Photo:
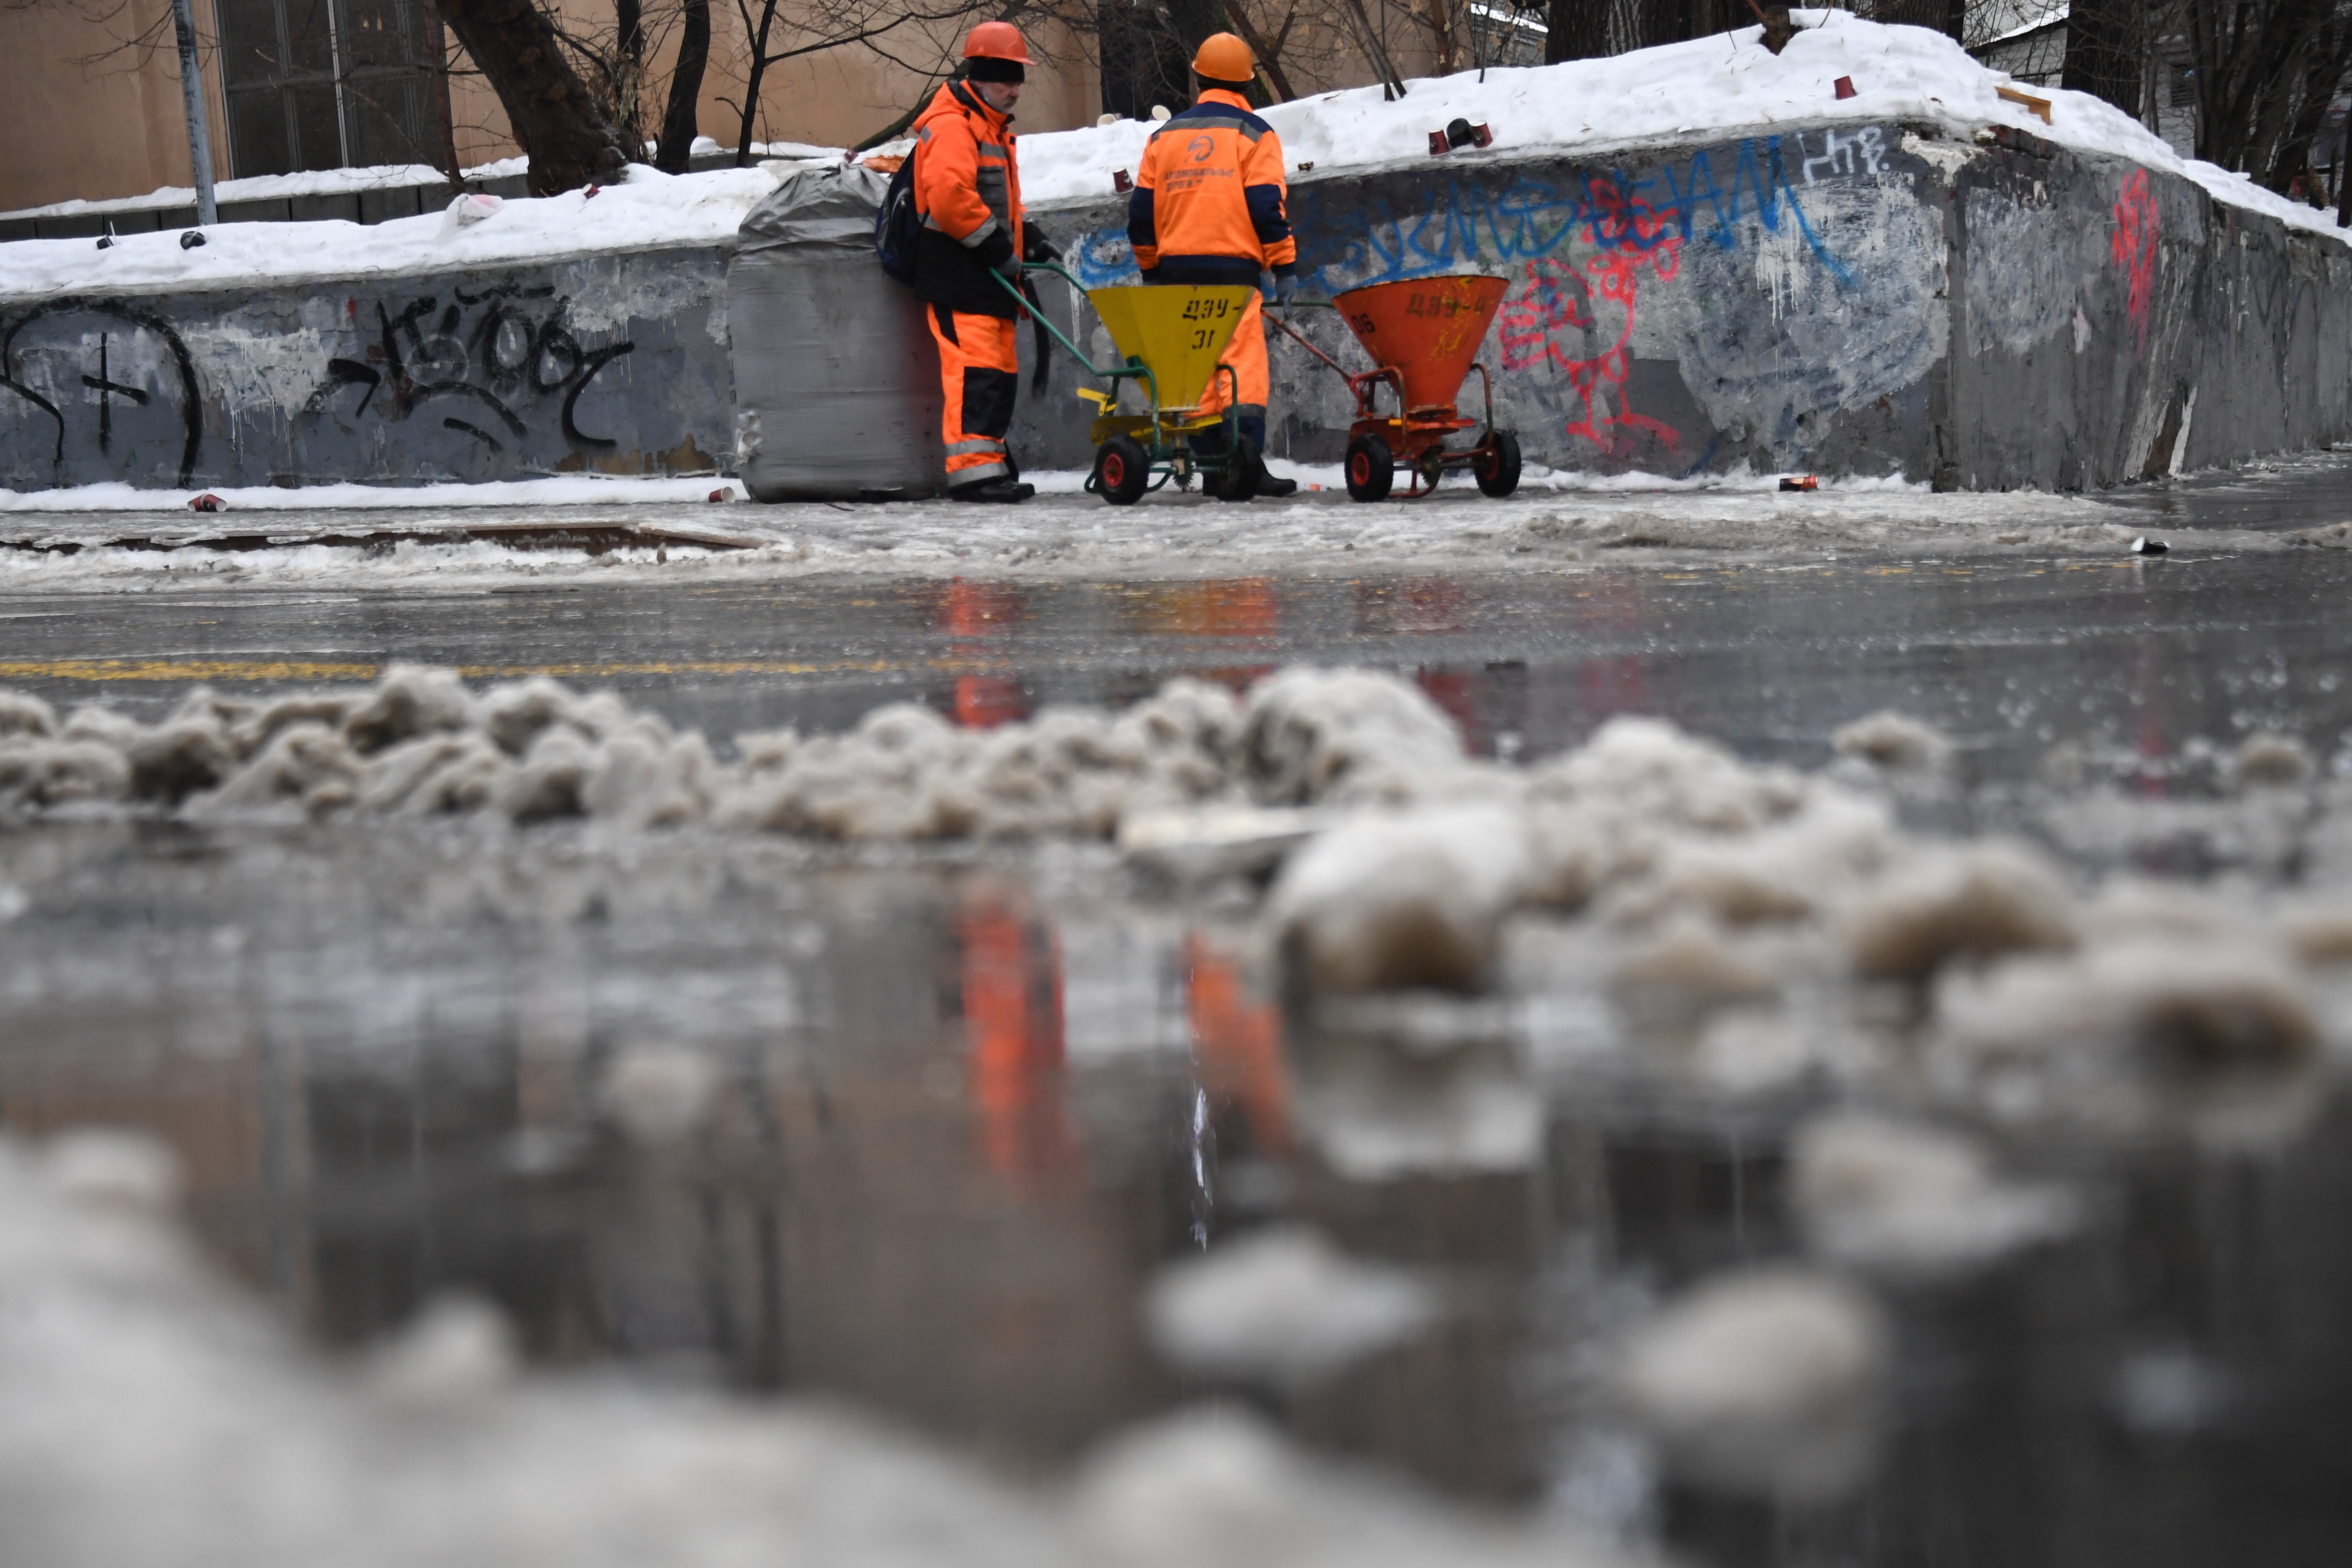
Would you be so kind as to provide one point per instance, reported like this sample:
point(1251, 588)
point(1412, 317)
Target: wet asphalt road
point(962, 1111)
point(2008, 656)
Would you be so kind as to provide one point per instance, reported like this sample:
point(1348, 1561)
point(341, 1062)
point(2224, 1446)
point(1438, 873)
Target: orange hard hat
point(1224, 58)
point(997, 41)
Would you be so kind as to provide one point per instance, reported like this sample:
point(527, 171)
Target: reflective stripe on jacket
point(1209, 199)
point(968, 190)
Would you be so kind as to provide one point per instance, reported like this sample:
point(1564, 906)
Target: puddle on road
point(924, 1131)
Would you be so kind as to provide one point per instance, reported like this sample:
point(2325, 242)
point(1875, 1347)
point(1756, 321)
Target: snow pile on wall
point(1702, 89)
point(1673, 92)
point(646, 210)
point(257, 188)
point(156, 1417)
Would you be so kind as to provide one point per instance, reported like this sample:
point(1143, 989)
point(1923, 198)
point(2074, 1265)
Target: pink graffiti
point(2139, 228)
point(1633, 239)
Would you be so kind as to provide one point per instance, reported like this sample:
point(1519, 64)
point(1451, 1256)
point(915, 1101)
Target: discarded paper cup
point(1792, 482)
point(1844, 86)
point(208, 502)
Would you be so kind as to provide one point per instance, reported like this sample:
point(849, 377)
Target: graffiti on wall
point(2138, 232)
point(1555, 296)
point(1591, 256)
point(122, 372)
point(1707, 197)
point(477, 358)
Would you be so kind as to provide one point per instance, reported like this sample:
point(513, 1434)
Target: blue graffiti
point(1347, 247)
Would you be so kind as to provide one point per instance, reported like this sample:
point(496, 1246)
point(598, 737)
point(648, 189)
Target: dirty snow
point(1707, 922)
point(565, 489)
point(1769, 1382)
point(1914, 1202)
point(1282, 1306)
point(156, 1417)
point(1075, 536)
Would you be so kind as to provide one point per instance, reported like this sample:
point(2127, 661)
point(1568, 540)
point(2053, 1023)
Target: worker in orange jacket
point(968, 190)
point(1210, 206)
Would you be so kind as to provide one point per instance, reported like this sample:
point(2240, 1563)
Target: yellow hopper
point(1168, 337)
point(1176, 330)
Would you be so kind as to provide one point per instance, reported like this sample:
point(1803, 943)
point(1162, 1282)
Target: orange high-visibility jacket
point(968, 190)
point(1210, 203)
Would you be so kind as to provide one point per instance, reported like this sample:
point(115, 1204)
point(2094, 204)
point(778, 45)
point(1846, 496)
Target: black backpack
point(897, 226)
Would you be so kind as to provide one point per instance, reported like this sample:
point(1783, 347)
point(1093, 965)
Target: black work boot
point(1267, 485)
point(1002, 490)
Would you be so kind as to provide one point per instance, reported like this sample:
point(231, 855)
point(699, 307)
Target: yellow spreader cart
point(1170, 336)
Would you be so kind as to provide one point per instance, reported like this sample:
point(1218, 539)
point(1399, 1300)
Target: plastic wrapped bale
point(836, 383)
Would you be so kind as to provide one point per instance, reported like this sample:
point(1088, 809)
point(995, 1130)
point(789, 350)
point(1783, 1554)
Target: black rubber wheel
point(1372, 469)
point(1498, 467)
point(1122, 470)
point(1244, 470)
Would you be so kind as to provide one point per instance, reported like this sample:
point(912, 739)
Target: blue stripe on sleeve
point(1265, 214)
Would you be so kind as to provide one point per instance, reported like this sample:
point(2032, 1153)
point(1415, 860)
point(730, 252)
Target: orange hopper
point(1427, 329)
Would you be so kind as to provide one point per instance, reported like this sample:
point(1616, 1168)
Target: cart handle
point(1131, 368)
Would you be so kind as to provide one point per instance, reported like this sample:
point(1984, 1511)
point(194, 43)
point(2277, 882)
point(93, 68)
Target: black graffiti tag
point(433, 351)
point(191, 407)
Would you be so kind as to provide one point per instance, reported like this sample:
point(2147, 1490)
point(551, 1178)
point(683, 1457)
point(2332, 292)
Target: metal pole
point(192, 91)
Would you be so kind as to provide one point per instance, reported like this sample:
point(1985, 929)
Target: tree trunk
point(757, 69)
point(2103, 51)
point(679, 125)
point(1578, 30)
point(554, 116)
point(1269, 54)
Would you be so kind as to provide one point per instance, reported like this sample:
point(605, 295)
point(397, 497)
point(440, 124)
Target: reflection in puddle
point(925, 1132)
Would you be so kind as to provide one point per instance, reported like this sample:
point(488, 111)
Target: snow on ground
point(1707, 87)
point(567, 489)
point(1066, 534)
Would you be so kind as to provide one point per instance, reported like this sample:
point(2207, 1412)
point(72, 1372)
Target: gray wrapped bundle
point(836, 381)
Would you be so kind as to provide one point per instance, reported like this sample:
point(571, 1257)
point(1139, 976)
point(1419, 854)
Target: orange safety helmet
point(997, 41)
point(1224, 58)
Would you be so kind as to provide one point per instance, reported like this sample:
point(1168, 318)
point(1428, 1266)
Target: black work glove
point(995, 252)
point(1035, 246)
point(1286, 287)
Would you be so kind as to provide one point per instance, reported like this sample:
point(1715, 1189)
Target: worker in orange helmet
point(1211, 207)
point(967, 190)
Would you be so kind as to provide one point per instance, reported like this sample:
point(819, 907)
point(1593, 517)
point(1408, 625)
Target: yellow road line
point(262, 670)
point(183, 669)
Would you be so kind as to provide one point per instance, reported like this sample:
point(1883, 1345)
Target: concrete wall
point(1864, 301)
point(1867, 299)
point(614, 364)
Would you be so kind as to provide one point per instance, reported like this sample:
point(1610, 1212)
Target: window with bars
point(327, 84)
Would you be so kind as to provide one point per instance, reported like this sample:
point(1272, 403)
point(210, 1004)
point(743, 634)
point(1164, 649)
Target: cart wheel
point(1371, 471)
point(1497, 467)
point(1244, 470)
point(1122, 470)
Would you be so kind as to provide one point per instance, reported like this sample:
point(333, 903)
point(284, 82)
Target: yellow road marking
point(183, 669)
point(312, 669)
